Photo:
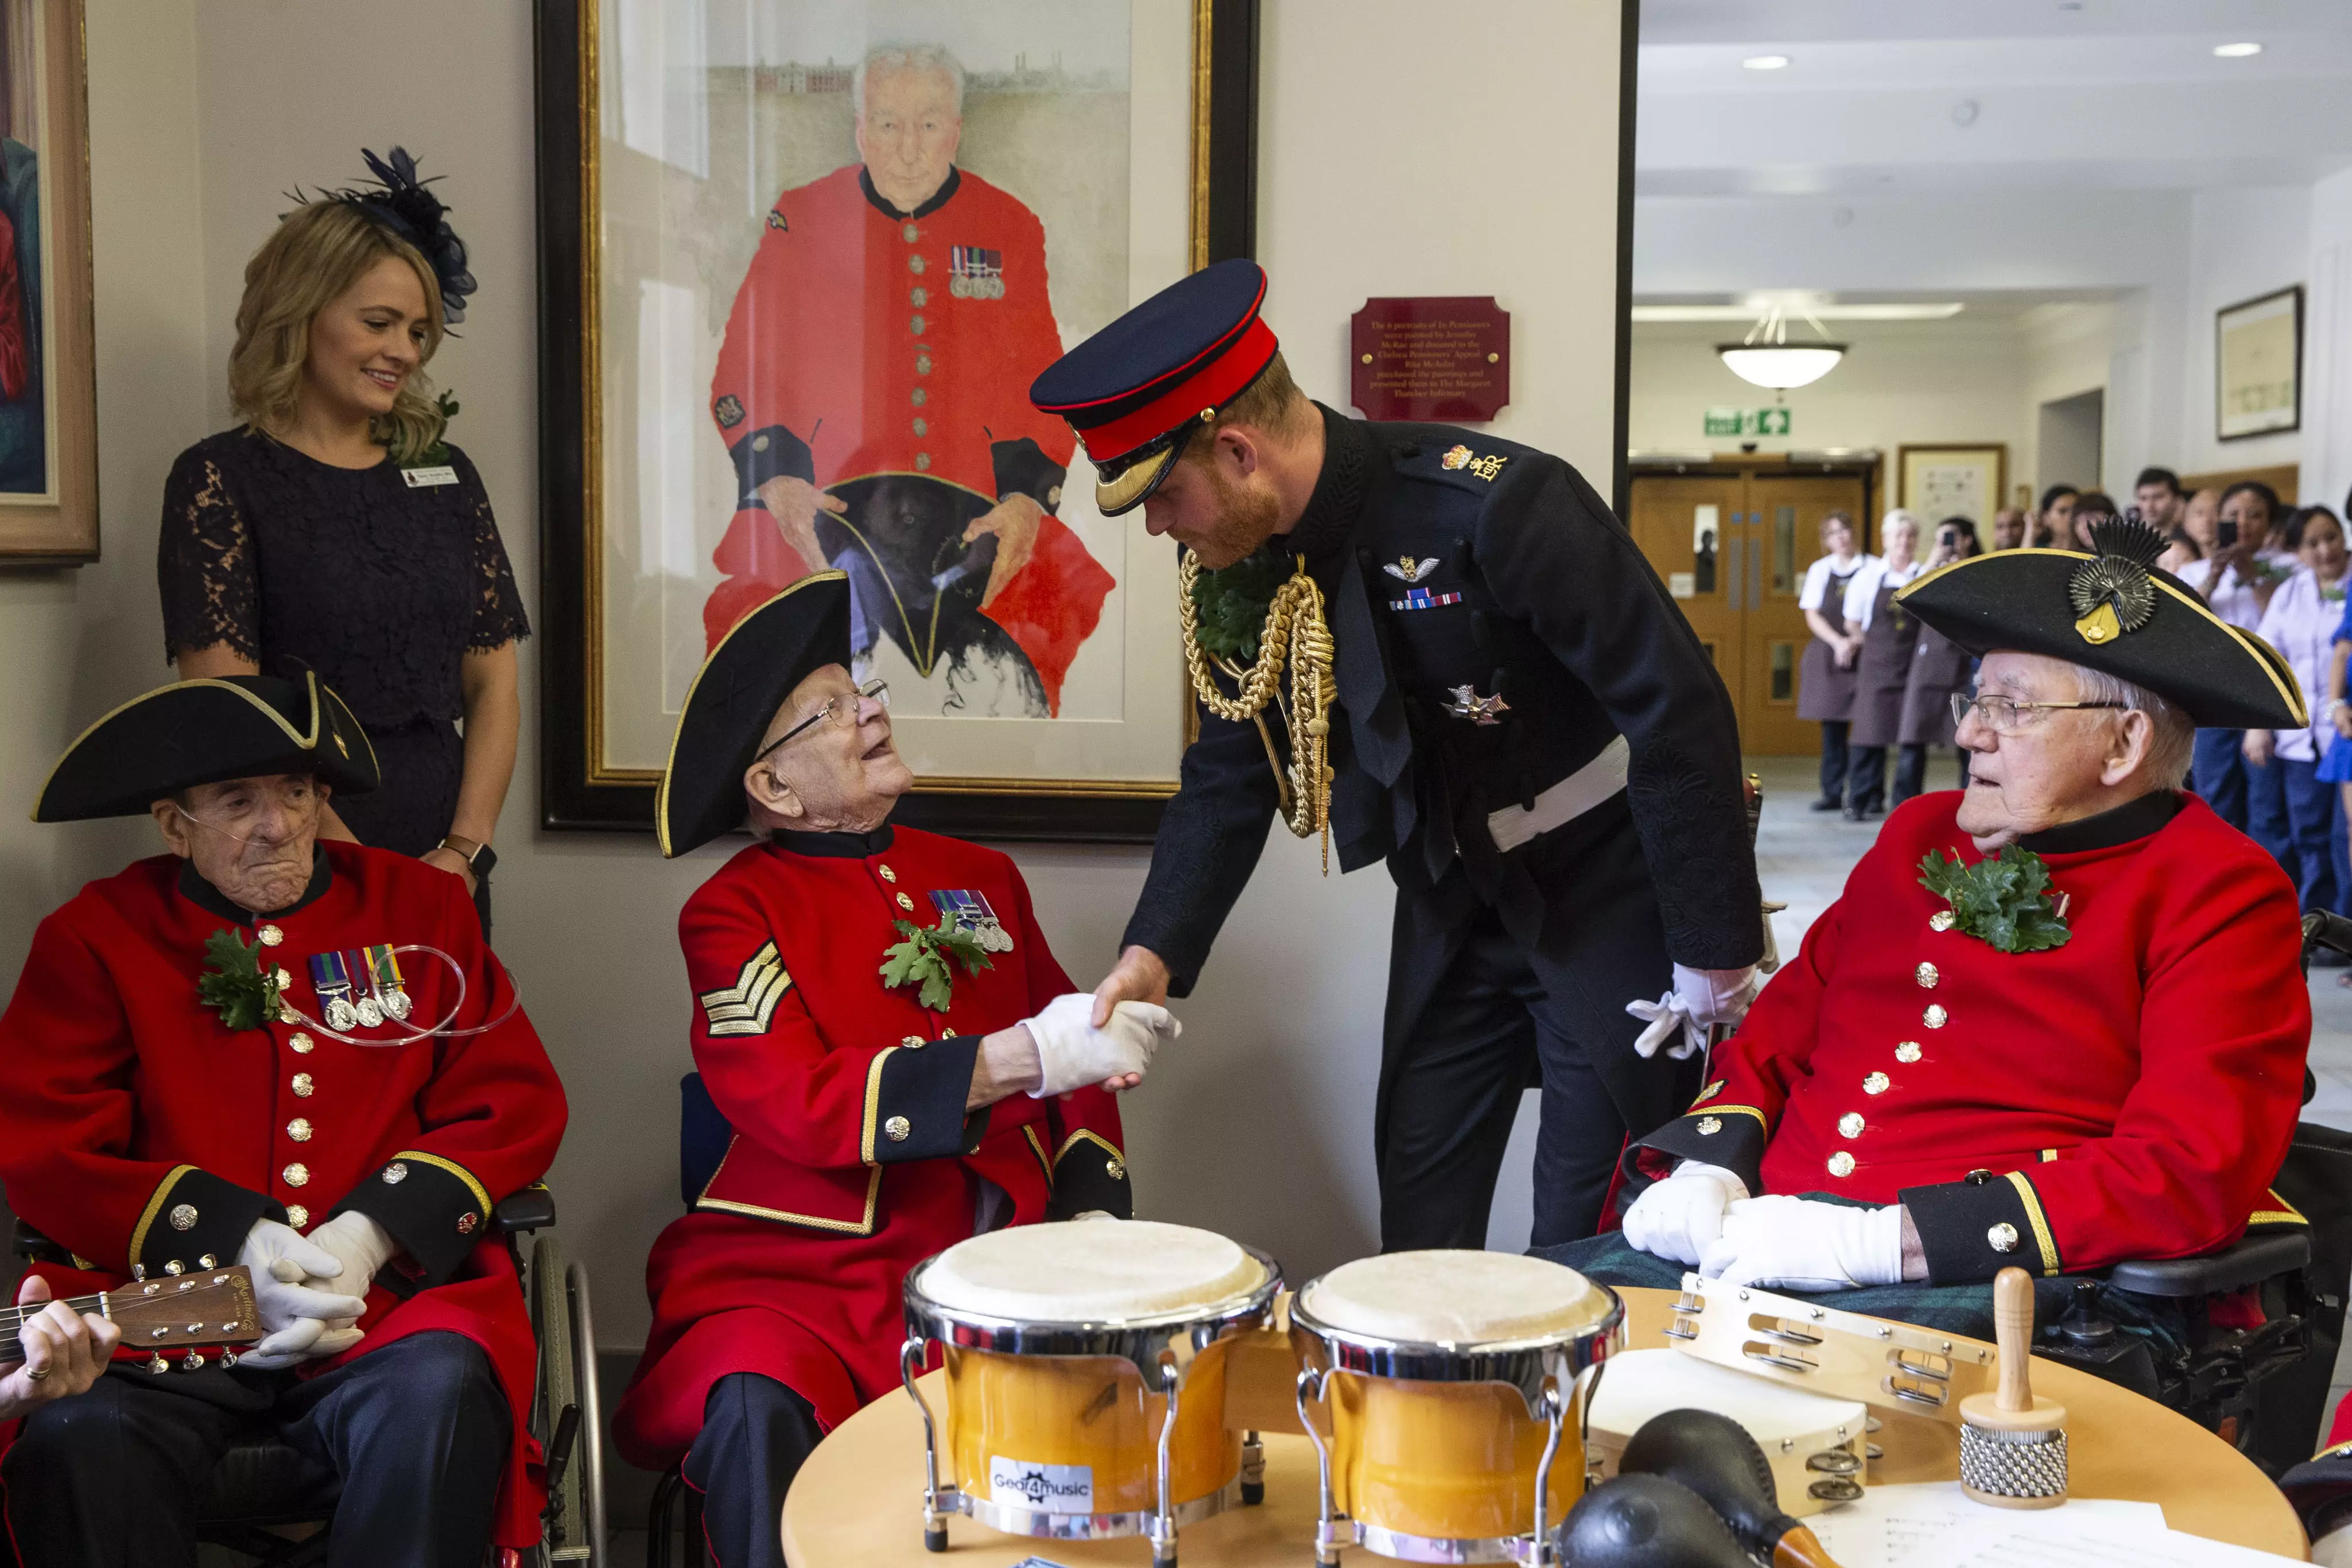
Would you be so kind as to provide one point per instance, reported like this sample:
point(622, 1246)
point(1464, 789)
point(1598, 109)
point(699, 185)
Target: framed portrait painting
point(48, 414)
point(801, 263)
point(2258, 365)
point(1939, 481)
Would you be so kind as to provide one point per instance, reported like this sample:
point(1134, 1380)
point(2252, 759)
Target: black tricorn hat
point(2115, 613)
point(200, 732)
point(736, 693)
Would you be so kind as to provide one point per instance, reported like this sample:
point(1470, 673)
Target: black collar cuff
point(2134, 819)
point(839, 846)
point(204, 895)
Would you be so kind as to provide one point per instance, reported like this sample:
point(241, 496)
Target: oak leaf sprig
point(2004, 899)
point(923, 960)
point(235, 985)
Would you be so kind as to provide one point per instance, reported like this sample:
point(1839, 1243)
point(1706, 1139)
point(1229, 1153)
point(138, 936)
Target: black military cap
point(200, 732)
point(1137, 390)
point(2114, 612)
point(736, 693)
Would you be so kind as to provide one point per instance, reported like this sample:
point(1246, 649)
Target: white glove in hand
point(361, 1245)
point(1668, 1019)
point(294, 1316)
point(1793, 1244)
point(1072, 1053)
point(1679, 1218)
point(1716, 995)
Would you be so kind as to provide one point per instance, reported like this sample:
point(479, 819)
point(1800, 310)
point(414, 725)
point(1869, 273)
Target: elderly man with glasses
point(261, 1049)
point(901, 1062)
point(2055, 1020)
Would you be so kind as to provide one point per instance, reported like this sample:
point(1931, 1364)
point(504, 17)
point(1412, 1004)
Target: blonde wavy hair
point(316, 256)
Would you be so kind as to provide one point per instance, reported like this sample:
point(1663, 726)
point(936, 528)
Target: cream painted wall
point(2245, 242)
point(205, 113)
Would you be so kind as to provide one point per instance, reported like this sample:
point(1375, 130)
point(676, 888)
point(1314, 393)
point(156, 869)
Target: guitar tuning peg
point(228, 1358)
point(137, 1271)
point(195, 1362)
point(157, 1364)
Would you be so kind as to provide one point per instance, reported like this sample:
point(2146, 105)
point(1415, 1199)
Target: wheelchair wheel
point(560, 1418)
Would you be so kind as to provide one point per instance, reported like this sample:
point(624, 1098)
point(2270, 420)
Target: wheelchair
point(2262, 1385)
point(703, 1134)
point(266, 1503)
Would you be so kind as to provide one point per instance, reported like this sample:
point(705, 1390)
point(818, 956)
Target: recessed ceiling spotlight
point(1776, 62)
point(2236, 51)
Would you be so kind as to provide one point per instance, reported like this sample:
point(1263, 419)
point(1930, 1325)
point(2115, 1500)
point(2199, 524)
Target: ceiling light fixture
point(1778, 62)
point(1767, 358)
point(2236, 51)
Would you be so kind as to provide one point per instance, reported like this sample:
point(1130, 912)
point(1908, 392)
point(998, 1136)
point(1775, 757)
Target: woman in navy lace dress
point(335, 530)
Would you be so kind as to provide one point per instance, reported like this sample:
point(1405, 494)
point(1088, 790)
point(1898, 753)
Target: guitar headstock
point(208, 1307)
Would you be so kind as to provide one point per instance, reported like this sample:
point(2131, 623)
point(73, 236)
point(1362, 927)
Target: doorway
point(2071, 439)
point(1732, 539)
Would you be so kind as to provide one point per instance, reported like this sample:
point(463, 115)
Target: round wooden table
point(858, 1501)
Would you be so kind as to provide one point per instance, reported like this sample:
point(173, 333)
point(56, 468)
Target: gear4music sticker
point(1041, 1488)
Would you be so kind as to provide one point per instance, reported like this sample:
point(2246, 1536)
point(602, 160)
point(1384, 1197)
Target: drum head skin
point(1457, 1298)
point(1091, 1271)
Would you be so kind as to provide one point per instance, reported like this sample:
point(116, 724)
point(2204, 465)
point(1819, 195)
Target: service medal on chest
point(1484, 712)
point(967, 912)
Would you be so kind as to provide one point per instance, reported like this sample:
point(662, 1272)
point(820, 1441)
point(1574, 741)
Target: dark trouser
point(1865, 778)
point(2217, 772)
point(418, 1432)
point(1476, 1017)
point(755, 1435)
point(2310, 812)
point(1834, 758)
point(2339, 844)
point(2267, 815)
point(1911, 771)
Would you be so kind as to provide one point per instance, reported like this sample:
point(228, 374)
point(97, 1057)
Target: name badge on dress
point(421, 479)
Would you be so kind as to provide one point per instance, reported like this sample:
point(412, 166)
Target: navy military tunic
point(1469, 577)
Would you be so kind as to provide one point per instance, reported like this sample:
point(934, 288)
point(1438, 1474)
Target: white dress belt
point(1599, 780)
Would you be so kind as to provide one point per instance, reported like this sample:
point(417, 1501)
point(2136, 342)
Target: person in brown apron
point(1882, 670)
point(1939, 666)
point(1826, 677)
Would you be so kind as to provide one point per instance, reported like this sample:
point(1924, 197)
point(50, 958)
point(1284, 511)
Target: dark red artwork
point(1443, 357)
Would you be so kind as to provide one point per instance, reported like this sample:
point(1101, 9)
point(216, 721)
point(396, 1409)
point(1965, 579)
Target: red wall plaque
point(1438, 358)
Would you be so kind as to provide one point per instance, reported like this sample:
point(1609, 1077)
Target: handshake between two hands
point(1074, 1052)
point(311, 1290)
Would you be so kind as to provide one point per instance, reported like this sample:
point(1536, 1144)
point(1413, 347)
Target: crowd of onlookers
point(1874, 678)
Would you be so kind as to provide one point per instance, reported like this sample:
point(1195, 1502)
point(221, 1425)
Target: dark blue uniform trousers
point(755, 1435)
point(417, 1433)
point(2311, 814)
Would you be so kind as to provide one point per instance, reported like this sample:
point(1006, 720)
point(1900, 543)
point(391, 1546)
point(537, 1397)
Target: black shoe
point(1826, 804)
point(1853, 814)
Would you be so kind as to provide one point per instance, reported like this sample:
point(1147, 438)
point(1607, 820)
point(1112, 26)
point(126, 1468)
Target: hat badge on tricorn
point(2117, 611)
point(1137, 391)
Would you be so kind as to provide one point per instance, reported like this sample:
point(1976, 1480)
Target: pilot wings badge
point(1405, 569)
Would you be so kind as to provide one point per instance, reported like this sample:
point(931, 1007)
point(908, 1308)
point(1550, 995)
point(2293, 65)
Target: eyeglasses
point(2007, 716)
point(841, 711)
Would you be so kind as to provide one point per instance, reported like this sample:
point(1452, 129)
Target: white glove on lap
point(1797, 1245)
point(294, 1316)
point(1679, 1218)
point(361, 1245)
point(1074, 1054)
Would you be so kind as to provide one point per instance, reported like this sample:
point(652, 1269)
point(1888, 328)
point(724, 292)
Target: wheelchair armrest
point(26, 1242)
point(533, 1208)
point(2249, 1261)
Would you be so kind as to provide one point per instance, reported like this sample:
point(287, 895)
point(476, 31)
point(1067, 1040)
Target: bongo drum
point(1816, 1445)
point(1450, 1379)
point(1085, 1379)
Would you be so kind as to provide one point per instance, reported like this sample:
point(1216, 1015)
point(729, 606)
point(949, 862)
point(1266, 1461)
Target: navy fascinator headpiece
point(399, 201)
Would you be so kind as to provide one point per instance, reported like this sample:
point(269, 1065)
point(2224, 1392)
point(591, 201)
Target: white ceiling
point(1928, 97)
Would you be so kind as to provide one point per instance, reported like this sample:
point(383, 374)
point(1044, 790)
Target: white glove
point(1679, 1218)
point(1072, 1053)
point(1716, 995)
point(1668, 1019)
point(1794, 1244)
point(361, 1245)
point(294, 1317)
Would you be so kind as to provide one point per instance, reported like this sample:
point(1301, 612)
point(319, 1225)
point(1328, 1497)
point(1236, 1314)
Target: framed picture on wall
point(2258, 365)
point(801, 262)
point(1934, 482)
point(49, 412)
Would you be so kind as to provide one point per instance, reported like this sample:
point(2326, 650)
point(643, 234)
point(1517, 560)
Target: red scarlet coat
point(137, 1129)
point(2130, 1094)
point(863, 342)
point(853, 1159)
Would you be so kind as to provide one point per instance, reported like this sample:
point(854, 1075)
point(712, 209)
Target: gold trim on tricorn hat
point(2114, 612)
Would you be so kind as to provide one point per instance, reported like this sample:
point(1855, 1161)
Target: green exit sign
point(1747, 422)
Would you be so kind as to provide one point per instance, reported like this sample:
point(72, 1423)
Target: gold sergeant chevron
point(745, 1007)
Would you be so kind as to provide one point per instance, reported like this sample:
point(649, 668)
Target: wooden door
point(1685, 525)
point(1785, 512)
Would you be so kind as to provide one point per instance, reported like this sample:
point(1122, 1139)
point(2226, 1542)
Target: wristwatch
point(481, 858)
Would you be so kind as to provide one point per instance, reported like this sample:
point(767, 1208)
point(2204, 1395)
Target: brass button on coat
point(1840, 1163)
point(897, 1129)
point(1942, 919)
point(1114, 1169)
point(905, 903)
point(1876, 1083)
point(296, 1215)
point(1908, 1051)
point(2002, 1237)
point(270, 936)
point(296, 1174)
point(1709, 1126)
point(1935, 1015)
point(395, 1174)
point(1850, 1124)
point(183, 1217)
point(1927, 976)
point(302, 1086)
point(885, 872)
point(301, 1044)
point(299, 1129)
point(911, 1041)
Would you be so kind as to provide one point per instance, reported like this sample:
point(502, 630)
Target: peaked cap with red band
point(1136, 391)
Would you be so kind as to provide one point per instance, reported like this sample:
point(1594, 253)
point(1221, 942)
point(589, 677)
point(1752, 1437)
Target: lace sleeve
point(204, 564)
point(498, 616)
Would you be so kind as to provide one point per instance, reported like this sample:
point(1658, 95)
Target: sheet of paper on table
point(2036, 1545)
point(1911, 1526)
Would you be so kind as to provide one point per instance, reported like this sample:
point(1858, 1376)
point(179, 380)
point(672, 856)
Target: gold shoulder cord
point(1294, 623)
